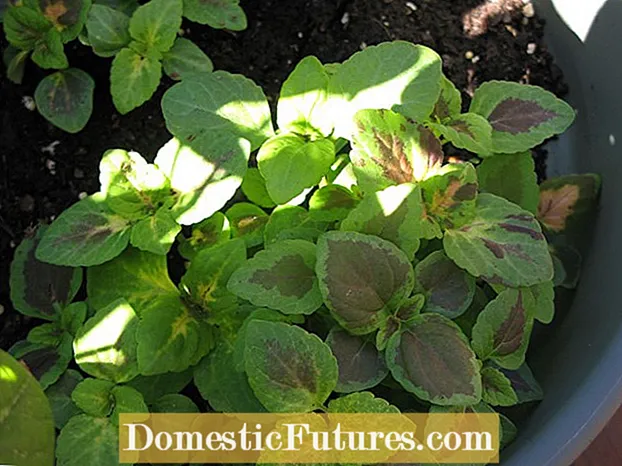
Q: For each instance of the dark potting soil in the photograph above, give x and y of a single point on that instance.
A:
(44, 170)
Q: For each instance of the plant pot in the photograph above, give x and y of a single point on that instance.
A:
(579, 364)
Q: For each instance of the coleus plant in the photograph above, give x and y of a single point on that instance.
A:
(142, 39)
(361, 273)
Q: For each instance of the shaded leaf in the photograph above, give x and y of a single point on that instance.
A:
(155, 234)
(37, 288)
(206, 174)
(389, 149)
(105, 347)
(126, 400)
(282, 277)
(15, 62)
(432, 359)
(468, 131)
(174, 403)
(46, 362)
(449, 102)
(395, 75)
(289, 369)
(290, 164)
(503, 329)
(154, 387)
(221, 14)
(524, 384)
(225, 389)
(521, 188)
(26, 424)
(361, 365)
(247, 222)
(59, 396)
(362, 278)
(291, 222)
(448, 289)
(503, 244)
(184, 59)
(497, 389)
(108, 30)
(215, 103)
(521, 116)
(210, 232)
(97, 440)
(332, 203)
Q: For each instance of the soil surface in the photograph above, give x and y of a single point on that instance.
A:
(44, 170)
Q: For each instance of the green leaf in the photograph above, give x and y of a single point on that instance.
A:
(289, 369)
(521, 116)
(205, 281)
(567, 262)
(133, 79)
(46, 334)
(156, 23)
(225, 389)
(450, 196)
(302, 102)
(503, 329)
(254, 188)
(86, 234)
(544, 297)
(15, 62)
(132, 187)
(448, 289)
(361, 365)
(59, 396)
(362, 402)
(171, 337)
(125, 6)
(468, 131)
(432, 359)
(449, 103)
(73, 316)
(185, 58)
(95, 439)
(567, 202)
(26, 425)
(49, 52)
(65, 98)
(497, 389)
(247, 222)
(126, 400)
(389, 149)
(24, 27)
(524, 384)
(206, 174)
(395, 214)
(395, 75)
(215, 103)
(521, 188)
(362, 279)
(37, 288)
(155, 234)
(503, 244)
(282, 277)
(135, 276)
(108, 30)
(46, 362)
(105, 347)
(222, 14)
(410, 308)
(289, 164)
(332, 203)
(94, 397)
(153, 387)
(206, 234)
(174, 403)
(291, 222)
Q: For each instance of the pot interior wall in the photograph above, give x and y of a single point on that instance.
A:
(580, 362)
